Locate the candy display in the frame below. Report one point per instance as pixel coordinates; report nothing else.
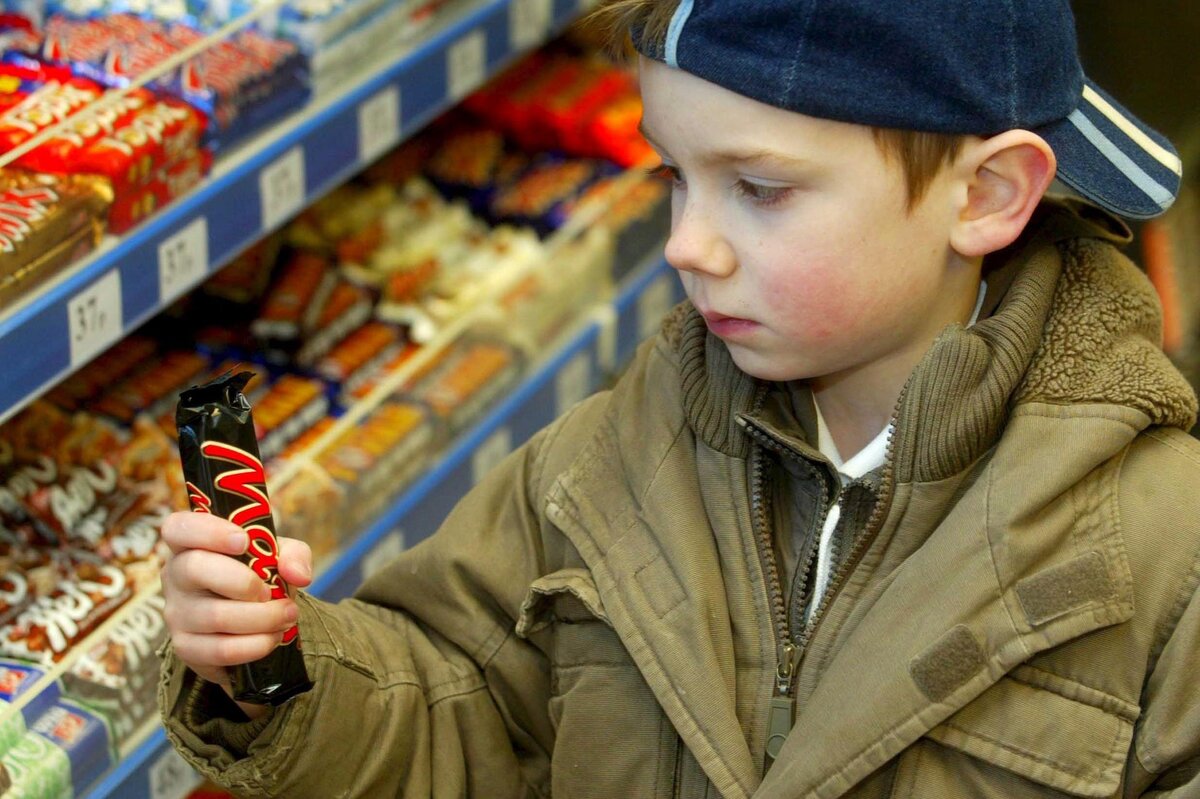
(579, 105)
(225, 477)
(239, 85)
(369, 333)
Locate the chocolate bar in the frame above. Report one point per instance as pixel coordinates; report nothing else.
(225, 477)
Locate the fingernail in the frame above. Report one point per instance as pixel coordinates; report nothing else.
(306, 569)
(237, 541)
(291, 613)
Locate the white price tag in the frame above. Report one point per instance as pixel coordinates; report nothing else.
(171, 777)
(281, 187)
(378, 124)
(528, 23)
(466, 64)
(94, 318)
(382, 553)
(493, 450)
(572, 382)
(183, 260)
(653, 305)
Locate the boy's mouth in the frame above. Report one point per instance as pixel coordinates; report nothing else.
(727, 326)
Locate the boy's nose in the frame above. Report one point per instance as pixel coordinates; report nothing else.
(697, 245)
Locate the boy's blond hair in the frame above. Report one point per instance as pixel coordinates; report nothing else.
(919, 154)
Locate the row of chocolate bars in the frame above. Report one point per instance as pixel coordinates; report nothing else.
(117, 165)
(322, 313)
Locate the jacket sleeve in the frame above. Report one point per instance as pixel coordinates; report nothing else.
(422, 689)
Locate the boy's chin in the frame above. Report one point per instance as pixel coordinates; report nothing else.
(764, 367)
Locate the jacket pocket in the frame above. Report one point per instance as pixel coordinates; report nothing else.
(611, 737)
(1020, 740)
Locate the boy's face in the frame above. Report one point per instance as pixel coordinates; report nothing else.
(792, 235)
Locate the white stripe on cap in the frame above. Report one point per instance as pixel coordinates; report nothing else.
(679, 19)
(1156, 150)
(1136, 175)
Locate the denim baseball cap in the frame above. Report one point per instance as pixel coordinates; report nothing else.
(976, 67)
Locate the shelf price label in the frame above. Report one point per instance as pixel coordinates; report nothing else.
(94, 318)
(653, 305)
(573, 382)
(466, 64)
(528, 23)
(182, 260)
(378, 124)
(281, 188)
(493, 450)
(171, 777)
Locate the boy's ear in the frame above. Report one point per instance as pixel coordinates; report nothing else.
(1005, 176)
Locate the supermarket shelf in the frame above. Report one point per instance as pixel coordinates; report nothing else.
(574, 369)
(257, 189)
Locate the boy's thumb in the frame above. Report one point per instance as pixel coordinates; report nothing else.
(295, 562)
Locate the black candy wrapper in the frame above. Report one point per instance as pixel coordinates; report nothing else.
(224, 475)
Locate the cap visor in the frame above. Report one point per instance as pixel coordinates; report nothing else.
(1113, 158)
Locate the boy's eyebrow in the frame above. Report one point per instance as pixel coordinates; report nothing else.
(763, 156)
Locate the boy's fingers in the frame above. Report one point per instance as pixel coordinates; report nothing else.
(183, 531)
(295, 562)
(215, 615)
(198, 571)
(203, 652)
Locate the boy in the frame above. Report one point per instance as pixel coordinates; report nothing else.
(899, 505)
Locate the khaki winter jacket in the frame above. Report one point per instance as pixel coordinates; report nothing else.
(1015, 618)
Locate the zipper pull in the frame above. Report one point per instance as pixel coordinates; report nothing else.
(782, 710)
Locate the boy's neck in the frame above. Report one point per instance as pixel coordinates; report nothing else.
(857, 404)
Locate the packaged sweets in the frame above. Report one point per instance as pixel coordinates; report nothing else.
(86, 593)
(297, 294)
(472, 375)
(108, 368)
(153, 388)
(360, 354)
(376, 459)
(289, 407)
(35, 767)
(117, 677)
(346, 308)
(22, 684)
(45, 223)
(225, 476)
(541, 197)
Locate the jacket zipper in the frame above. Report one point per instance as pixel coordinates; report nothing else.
(782, 709)
(883, 504)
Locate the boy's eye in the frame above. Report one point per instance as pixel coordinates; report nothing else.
(668, 173)
(760, 194)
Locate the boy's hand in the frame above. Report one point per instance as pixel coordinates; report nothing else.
(218, 611)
